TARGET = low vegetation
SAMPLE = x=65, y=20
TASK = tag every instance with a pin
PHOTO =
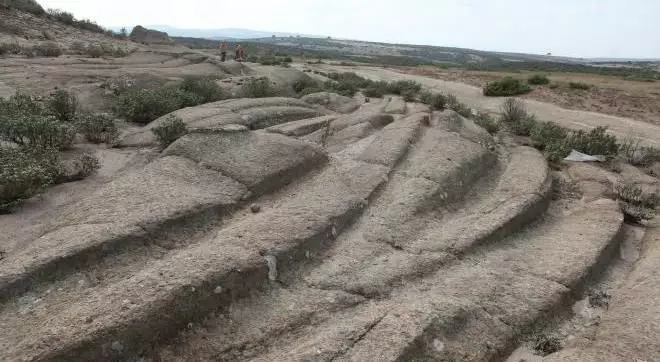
x=437, y=101
x=63, y=105
x=506, y=87
x=538, y=79
x=487, y=122
x=97, y=128
x=47, y=50
x=579, y=85
x=24, y=172
x=170, y=130
x=145, y=105
x=259, y=88
x=34, y=131
x=631, y=150
x=637, y=205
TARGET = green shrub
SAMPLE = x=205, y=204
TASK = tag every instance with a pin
x=556, y=152
x=77, y=168
x=47, y=50
x=579, y=85
x=23, y=174
x=401, y=87
x=170, y=130
x=409, y=95
x=93, y=51
x=505, y=87
x=546, y=133
x=377, y=89
x=97, y=128
x=37, y=131
x=594, y=142
x=63, y=105
x=145, y=105
x=259, y=88
x=204, y=87
x=523, y=127
x=435, y=100
x=538, y=79
x=487, y=122
x=306, y=86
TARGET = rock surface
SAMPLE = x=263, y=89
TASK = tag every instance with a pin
x=143, y=35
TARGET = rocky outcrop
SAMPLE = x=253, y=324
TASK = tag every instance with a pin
x=143, y=35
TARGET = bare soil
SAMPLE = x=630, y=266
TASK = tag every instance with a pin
x=609, y=95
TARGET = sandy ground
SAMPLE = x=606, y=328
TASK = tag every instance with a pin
x=609, y=94
x=471, y=95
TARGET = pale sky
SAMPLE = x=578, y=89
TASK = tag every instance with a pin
x=579, y=28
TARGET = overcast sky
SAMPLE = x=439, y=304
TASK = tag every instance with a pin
x=580, y=28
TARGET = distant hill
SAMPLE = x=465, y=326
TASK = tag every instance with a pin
x=223, y=33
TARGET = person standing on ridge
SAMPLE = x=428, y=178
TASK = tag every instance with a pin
x=223, y=51
x=239, y=49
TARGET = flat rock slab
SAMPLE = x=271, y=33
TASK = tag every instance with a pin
x=262, y=161
x=166, y=189
x=396, y=105
x=332, y=101
x=254, y=113
x=630, y=329
x=303, y=126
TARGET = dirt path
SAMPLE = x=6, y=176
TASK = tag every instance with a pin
x=621, y=127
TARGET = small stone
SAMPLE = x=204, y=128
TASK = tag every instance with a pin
x=367, y=100
x=117, y=346
x=217, y=290
x=255, y=208
x=89, y=319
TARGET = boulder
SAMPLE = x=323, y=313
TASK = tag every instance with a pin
x=143, y=35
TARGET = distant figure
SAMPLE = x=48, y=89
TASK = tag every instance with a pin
x=240, y=53
x=223, y=51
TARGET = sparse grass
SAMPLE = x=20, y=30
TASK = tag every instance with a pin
x=457, y=106
x=637, y=205
x=47, y=50
x=506, y=87
x=513, y=110
x=99, y=50
x=538, y=79
x=546, y=345
x=170, y=130
x=579, y=85
x=97, y=128
x=631, y=150
x=10, y=49
x=485, y=121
